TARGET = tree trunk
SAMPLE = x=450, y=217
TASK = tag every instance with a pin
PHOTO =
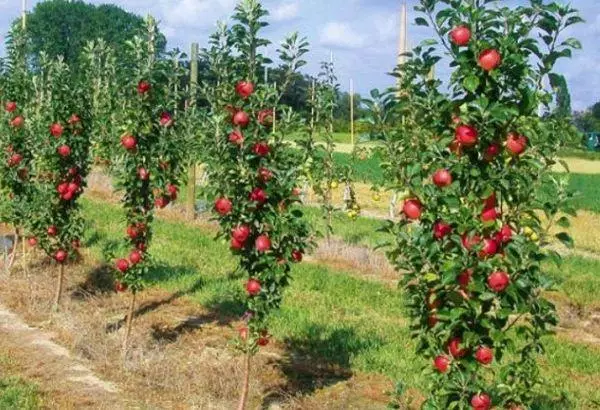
x=11, y=259
x=59, y=286
x=129, y=324
x=244, y=395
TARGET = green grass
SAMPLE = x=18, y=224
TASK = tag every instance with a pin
x=587, y=187
x=15, y=393
x=332, y=317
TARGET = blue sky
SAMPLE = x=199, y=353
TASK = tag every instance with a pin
x=362, y=34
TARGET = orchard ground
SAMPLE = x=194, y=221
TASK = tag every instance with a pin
x=340, y=340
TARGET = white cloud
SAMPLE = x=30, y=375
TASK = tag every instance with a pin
x=341, y=35
x=195, y=13
x=285, y=11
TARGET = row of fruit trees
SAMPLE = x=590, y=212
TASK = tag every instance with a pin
x=471, y=155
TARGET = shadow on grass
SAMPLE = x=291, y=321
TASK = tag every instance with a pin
x=544, y=402
x=319, y=359
x=100, y=280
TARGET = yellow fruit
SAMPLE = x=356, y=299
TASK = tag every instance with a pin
x=534, y=237
x=376, y=197
x=352, y=214
x=355, y=207
x=527, y=231
x=334, y=185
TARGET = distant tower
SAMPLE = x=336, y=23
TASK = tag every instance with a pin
x=403, y=35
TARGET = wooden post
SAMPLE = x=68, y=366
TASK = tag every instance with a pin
x=191, y=185
x=352, y=112
x=23, y=14
x=59, y=286
x=312, y=106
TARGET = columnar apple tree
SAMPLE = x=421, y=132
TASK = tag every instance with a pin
x=476, y=162
x=255, y=178
x=57, y=125
x=148, y=153
x=15, y=143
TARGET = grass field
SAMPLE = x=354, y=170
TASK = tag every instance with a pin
x=15, y=393
x=343, y=320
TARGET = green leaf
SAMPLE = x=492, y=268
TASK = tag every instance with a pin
x=420, y=21
x=572, y=42
x=471, y=83
x=566, y=239
x=563, y=222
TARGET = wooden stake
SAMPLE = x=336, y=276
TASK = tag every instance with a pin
x=352, y=112
x=246, y=382
x=191, y=185
x=59, y=286
x=24, y=14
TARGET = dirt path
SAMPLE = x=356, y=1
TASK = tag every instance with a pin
x=66, y=380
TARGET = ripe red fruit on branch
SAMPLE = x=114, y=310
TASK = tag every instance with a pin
x=516, y=144
x=64, y=151
x=258, y=195
x=135, y=257
x=143, y=87
x=470, y=241
x=128, y=142
x=297, y=191
x=223, y=206
x=454, y=348
x=52, y=230
x=460, y=35
x=243, y=332
x=60, y=256
x=14, y=160
x=484, y=355
x=441, y=229
x=265, y=175
x=56, y=130
x=465, y=278
x=261, y=149
x=161, y=202
x=442, y=178
x=62, y=188
x=241, y=119
x=244, y=89
x=236, y=137
x=490, y=247
x=262, y=243
x=120, y=286
x=253, y=287
x=297, y=255
x=122, y=265
x=241, y=233
x=490, y=202
x=505, y=234
x=498, y=281
x=74, y=119
x=173, y=191
x=10, y=106
x=466, y=135
x=32, y=241
x=132, y=231
x=143, y=174
x=442, y=363
x=481, y=402
x=412, y=208
x=489, y=215
x=265, y=117
x=262, y=341
x=166, y=120
x=492, y=151
x=235, y=244
x=489, y=59
x=17, y=122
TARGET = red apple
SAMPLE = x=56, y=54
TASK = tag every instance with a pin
x=236, y=137
x=489, y=215
x=132, y=232
x=166, y=120
x=236, y=245
x=129, y=142
x=261, y=149
x=67, y=196
x=52, y=230
x=465, y=278
x=244, y=89
x=32, y=241
x=498, y=281
x=470, y=241
x=253, y=287
x=60, y=256
x=56, y=130
x=504, y=235
x=481, y=401
x=441, y=229
x=490, y=201
x=258, y=195
x=14, y=160
x=135, y=257
x=243, y=332
x=489, y=59
x=490, y=247
x=442, y=178
x=454, y=348
x=74, y=119
x=442, y=363
x=10, y=106
x=297, y=191
x=241, y=233
x=223, y=206
x=173, y=191
x=141, y=246
x=143, y=174
x=484, y=355
x=516, y=144
x=265, y=117
x=262, y=243
x=492, y=151
x=17, y=122
x=297, y=255
x=64, y=151
x=143, y=87
x=161, y=202
x=241, y=119
x=412, y=208
x=265, y=175
x=466, y=135
x=122, y=265
x=120, y=286
x=460, y=35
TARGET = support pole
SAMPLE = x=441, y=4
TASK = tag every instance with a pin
x=352, y=112
x=191, y=185
x=24, y=14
